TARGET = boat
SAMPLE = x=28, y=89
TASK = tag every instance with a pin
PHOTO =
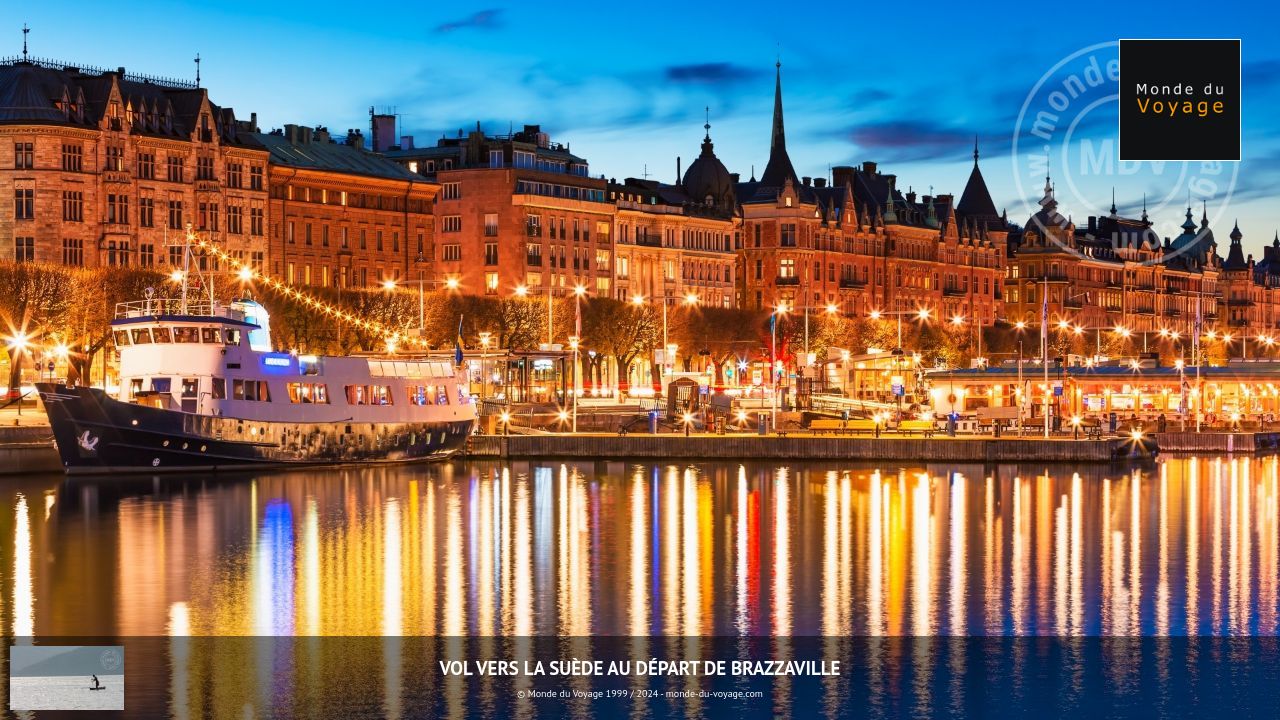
x=201, y=388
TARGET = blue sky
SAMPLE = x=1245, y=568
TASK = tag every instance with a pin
x=907, y=86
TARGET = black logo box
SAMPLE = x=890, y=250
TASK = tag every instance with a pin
x=1185, y=68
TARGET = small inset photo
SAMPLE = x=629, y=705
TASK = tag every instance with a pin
x=66, y=677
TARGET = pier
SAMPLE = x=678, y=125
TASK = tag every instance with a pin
x=801, y=447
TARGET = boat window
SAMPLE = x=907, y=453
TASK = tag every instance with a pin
x=253, y=390
x=463, y=398
x=135, y=387
x=231, y=336
x=308, y=393
x=162, y=334
x=219, y=389
x=141, y=336
x=418, y=394
x=368, y=395
x=122, y=338
x=308, y=365
x=190, y=387
x=210, y=335
x=186, y=334
x=442, y=395
x=161, y=384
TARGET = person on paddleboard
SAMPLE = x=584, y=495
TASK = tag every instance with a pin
x=96, y=684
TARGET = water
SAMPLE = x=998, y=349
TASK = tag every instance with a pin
x=66, y=693
x=876, y=566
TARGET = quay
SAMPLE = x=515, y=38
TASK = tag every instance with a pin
x=797, y=446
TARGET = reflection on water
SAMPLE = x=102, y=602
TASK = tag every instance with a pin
x=1188, y=546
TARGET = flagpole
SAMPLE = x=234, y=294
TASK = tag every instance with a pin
x=1044, y=347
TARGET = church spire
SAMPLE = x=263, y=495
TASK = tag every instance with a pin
x=975, y=201
x=1113, y=201
x=779, y=168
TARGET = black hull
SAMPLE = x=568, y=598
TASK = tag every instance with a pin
x=97, y=434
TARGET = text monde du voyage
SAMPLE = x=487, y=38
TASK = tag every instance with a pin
x=628, y=668
x=1180, y=99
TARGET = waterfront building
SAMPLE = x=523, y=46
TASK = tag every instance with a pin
x=861, y=244
x=342, y=216
x=517, y=214
x=107, y=167
x=1115, y=275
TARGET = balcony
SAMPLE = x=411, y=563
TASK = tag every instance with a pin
x=1144, y=311
x=533, y=230
x=208, y=186
x=851, y=283
x=534, y=261
x=649, y=241
x=1239, y=302
x=953, y=292
x=1172, y=312
x=116, y=176
x=788, y=280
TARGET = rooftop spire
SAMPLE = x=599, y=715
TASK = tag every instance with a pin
x=197, y=69
x=1048, y=202
x=1144, y=207
x=975, y=151
x=1113, y=201
x=25, y=31
x=976, y=200
x=707, y=125
x=779, y=167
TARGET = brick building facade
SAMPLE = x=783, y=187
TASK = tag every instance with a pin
x=108, y=168
x=342, y=216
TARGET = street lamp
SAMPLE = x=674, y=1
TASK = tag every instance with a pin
x=573, y=343
x=485, y=337
x=773, y=360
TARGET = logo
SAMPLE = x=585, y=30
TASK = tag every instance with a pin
x=1067, y=164
x=1180, y=100
x=110, y=659
x=87, y=442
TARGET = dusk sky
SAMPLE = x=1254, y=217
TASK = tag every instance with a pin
x=625, y=85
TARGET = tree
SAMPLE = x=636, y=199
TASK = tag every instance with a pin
x=623, y=331
x=95, y=293
x=34, y=299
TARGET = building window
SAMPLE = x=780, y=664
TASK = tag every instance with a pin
x=491, y=225
x=324, y=236
x=256, y=221
x=24, y=203
x=72, y=206
x=146, y=255
x=24, y=249
x=118, y=209
x=534, y=254
x=173, y=168
x=146, y=166
x=624, y=268
x=115, y=158
x=495, y=158
x=234, y=171
x=788, y=234
x=491, y=253
x=24, y=155
x=175, y=214
x=175, y=255
x=289, y=228
x=452, y=191
x=72, y=157
x=602, y=260
x=344, y=237
x=234, y=220
x=759, y=269
x=787, y=268
x=204, y=167
x=452, y=224
x=377, y=234
x=72, y=251
x=118, y=254
x=491, y=283
x=306, y=233
x=255, y=177
x=452, y=253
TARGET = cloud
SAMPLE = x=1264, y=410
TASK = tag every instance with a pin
x=906, y=140
x=869, y=96
x=710, y=73
x=1261, y=73
x=490, y=19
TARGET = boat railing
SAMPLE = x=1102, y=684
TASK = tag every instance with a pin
x=174, y=306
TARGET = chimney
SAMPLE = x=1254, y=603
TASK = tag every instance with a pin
x=819, y=182
x=678, y=175
x=868, y=167
x=911, y=196
x=355, y=138
x=321, y=134
x=1093, y=225
x=406, y=142
x=841, y=175
x=120, y=71
x=806, y=180
x=253, y=121
x=735, y=177
x=291, y=133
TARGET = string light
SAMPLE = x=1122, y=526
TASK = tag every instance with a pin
x=391, y=335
